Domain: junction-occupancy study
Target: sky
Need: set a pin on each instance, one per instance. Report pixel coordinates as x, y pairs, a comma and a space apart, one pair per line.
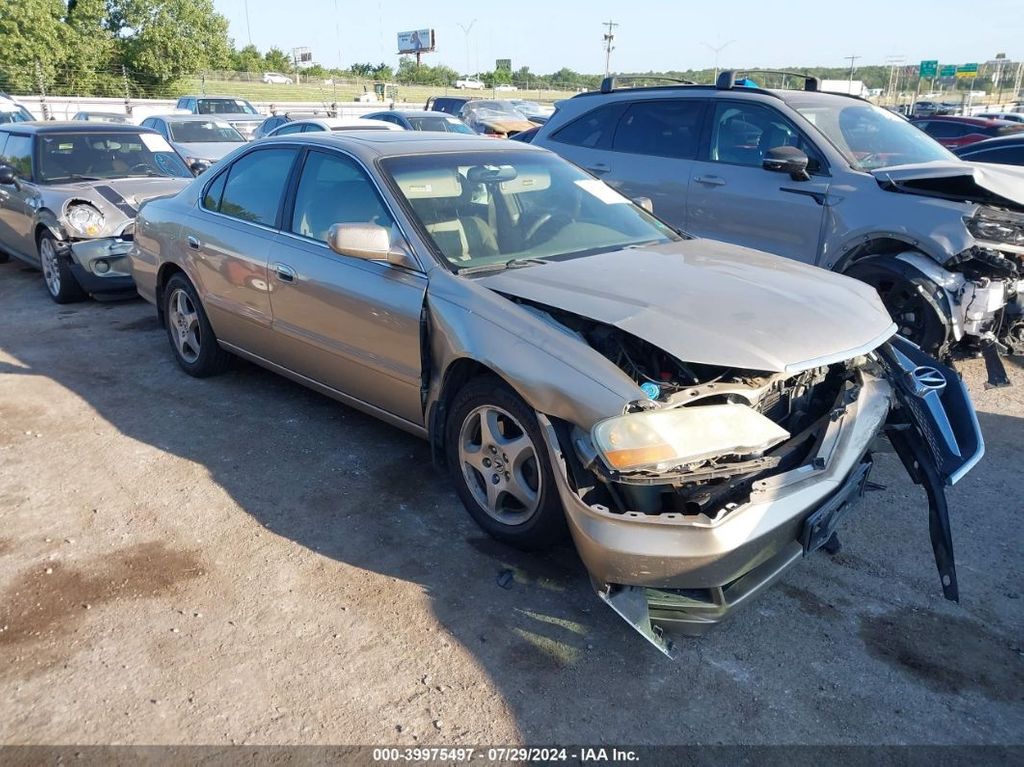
652, 35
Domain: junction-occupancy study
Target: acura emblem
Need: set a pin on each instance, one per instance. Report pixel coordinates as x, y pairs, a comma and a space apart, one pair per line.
927, 379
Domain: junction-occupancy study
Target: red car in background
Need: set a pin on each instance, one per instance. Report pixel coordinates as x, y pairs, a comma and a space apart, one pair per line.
953, 132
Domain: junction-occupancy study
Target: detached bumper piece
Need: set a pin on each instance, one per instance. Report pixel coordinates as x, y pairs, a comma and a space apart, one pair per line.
935, 432
658, 614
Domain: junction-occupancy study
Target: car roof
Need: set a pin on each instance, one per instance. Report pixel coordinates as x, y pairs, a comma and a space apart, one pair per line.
374, 144
416, 113
344, 122
72, 126
188, 117
993, 143
981, 122
212, 96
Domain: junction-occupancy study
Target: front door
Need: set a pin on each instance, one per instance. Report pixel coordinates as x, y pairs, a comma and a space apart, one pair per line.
733, 199
347, 323
18, 202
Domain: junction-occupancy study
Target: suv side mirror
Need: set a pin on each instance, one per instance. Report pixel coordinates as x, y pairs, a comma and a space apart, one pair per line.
645, 203
787, 159
8, 176
368, 242
198, 166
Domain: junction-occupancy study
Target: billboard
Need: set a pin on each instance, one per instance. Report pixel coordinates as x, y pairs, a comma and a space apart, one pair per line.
503, 65
416, 41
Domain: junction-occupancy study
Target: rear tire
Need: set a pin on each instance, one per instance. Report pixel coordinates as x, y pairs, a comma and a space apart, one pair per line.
499, 463
192, 338
914, 302
60, 282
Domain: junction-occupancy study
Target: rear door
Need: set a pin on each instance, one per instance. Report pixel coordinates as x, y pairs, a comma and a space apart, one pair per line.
227, 239
734, 199
351, 324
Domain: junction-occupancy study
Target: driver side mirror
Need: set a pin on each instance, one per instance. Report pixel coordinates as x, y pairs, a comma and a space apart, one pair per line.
645, 203
8, 176
368, 242
787, 159
198, 167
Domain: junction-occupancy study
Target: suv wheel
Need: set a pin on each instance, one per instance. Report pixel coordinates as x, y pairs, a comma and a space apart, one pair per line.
913, 301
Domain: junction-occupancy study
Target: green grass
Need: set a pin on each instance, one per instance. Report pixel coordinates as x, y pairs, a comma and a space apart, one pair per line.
414, 95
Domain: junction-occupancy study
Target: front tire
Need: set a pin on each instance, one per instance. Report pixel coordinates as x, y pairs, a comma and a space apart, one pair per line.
499, 463
60, 282
189, 331
915, 302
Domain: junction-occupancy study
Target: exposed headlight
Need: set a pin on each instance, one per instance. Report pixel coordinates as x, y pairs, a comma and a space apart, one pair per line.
82, 218
662, 439
993, 225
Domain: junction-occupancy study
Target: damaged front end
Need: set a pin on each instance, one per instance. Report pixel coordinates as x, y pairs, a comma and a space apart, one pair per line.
707, 489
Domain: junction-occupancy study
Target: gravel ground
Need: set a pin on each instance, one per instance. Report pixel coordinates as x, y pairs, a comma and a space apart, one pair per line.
240, 560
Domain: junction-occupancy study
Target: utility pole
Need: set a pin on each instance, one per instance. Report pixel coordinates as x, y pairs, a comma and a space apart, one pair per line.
849, 82
248, 28
465, 31
41, 85
127, 92
609, 37
718, 50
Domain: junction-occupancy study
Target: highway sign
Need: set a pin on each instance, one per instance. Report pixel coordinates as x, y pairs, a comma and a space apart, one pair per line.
928, 68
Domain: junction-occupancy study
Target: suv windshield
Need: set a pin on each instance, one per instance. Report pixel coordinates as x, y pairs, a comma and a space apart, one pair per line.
493, 209
225, 107
203, 131
870, 137
14, 113
95, 155
437, 123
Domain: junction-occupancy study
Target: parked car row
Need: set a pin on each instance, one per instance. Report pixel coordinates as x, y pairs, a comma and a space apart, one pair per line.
696, 413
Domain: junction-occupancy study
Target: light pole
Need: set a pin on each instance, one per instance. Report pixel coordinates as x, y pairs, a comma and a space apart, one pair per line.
718, 50
609, 37
465, 31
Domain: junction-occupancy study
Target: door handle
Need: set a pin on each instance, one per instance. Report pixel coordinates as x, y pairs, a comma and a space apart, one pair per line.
598, 169
284, 272
193, 242
710, 180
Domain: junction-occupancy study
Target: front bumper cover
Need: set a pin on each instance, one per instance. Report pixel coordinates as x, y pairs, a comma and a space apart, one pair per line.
83, 256
668, 574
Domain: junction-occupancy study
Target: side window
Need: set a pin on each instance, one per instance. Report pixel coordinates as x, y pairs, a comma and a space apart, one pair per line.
214, 192
289, 129
333, 189
255, 186
742, 134
18, 154
661, 128
593, 130
1006, 155
940, 129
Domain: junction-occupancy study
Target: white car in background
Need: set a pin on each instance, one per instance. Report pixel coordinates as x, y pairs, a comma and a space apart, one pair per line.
470, 82
276, 78
505, 88
332, 124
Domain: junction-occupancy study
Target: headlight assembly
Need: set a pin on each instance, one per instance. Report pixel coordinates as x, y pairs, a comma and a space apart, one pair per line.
994, 225
83, 219
659, 440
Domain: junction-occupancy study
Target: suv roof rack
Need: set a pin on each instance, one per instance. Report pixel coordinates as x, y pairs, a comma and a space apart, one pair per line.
609, 84
727, 78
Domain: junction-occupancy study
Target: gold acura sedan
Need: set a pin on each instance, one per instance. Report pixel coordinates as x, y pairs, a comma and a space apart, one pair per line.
698, 416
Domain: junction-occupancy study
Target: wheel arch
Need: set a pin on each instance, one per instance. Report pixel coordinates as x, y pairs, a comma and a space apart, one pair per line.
877, 245
167, 270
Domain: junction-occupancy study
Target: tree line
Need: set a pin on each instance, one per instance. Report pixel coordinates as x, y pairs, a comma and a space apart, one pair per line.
93, 47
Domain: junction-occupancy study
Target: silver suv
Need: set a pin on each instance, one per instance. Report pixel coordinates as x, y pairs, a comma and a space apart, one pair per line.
823, 178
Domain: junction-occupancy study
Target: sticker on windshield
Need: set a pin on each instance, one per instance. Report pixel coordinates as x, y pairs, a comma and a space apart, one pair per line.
600, 190
155, 142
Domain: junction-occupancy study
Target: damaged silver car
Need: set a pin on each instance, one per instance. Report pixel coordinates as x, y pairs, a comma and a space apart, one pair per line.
699, 416
69, 192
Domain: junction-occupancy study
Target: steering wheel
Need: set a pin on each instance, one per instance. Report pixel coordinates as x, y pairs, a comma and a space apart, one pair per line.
536, 225
141, 166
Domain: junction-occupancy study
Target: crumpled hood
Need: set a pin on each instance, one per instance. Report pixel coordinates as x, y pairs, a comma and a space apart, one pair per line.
1001, 185
117, 199
206, 150
713, 303
505, 125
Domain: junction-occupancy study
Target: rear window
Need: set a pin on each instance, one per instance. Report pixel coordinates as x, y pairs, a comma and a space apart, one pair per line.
225, 107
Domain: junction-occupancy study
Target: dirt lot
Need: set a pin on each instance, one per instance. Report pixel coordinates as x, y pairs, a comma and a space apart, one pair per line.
240, 560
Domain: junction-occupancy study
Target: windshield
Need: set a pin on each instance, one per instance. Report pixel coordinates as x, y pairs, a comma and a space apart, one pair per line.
95, 155
435, 123
14, 113
493, 108
203, 131
485, 210
225, 107
872, 138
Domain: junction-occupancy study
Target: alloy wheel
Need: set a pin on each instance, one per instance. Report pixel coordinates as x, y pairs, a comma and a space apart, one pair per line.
183, 320
500, 465
51, 267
